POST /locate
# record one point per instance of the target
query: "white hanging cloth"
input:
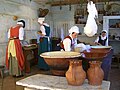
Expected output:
(90, 28)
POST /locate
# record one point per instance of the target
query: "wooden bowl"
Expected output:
(59, 61)
(97, 52)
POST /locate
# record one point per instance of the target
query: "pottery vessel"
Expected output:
(95, 73)
(97, 53)
(58, 66)
(95, 56)
(75, 74)
(58, 61)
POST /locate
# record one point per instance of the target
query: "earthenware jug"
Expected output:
(75, 74)
(95, 73)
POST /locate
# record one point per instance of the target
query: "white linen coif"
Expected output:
(40, 20)
(74, 29)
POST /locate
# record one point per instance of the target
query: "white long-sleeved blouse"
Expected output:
(21, 33)
(103, 38)
(67, 44)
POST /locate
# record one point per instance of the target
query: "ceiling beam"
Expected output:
(68, 2)
(65, 2)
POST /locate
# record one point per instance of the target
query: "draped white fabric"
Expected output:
(90, 28)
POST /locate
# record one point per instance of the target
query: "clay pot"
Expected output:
(58, 66)
(58, 61)
(95, 73)
(15, 18)
(75, 74)
(97, 52)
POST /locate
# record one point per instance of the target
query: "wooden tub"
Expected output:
(59, 60)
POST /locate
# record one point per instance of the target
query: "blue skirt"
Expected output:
(43, 46)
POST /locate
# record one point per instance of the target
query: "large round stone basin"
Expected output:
(58, 61)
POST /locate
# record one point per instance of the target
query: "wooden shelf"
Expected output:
(83, 35)
(110, 40)
(80, 24)
(114, 28)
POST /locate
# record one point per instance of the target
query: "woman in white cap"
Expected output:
(102, 39)
(14, 54)
(70, 41)
(44, 43)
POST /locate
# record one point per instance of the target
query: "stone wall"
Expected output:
(23, 9)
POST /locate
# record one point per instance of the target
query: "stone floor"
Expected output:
(114, 78)
(8, 83)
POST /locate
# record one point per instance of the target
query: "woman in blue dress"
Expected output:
(44, 44)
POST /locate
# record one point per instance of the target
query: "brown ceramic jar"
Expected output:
(95, 73)
(75, 74)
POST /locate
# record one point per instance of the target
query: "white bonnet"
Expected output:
(104, 31)
(20, 23)
(40, 20)
(74, 29)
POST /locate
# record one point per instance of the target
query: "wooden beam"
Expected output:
(65, 2)
(68, 2)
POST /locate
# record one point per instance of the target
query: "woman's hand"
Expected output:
(40, 33)
(96, 43)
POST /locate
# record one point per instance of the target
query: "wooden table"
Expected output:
(49, 82)
(28, 50)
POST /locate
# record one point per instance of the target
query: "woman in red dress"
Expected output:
(14, 54)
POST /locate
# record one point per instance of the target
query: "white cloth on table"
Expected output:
(83, 47)
(90, 28)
